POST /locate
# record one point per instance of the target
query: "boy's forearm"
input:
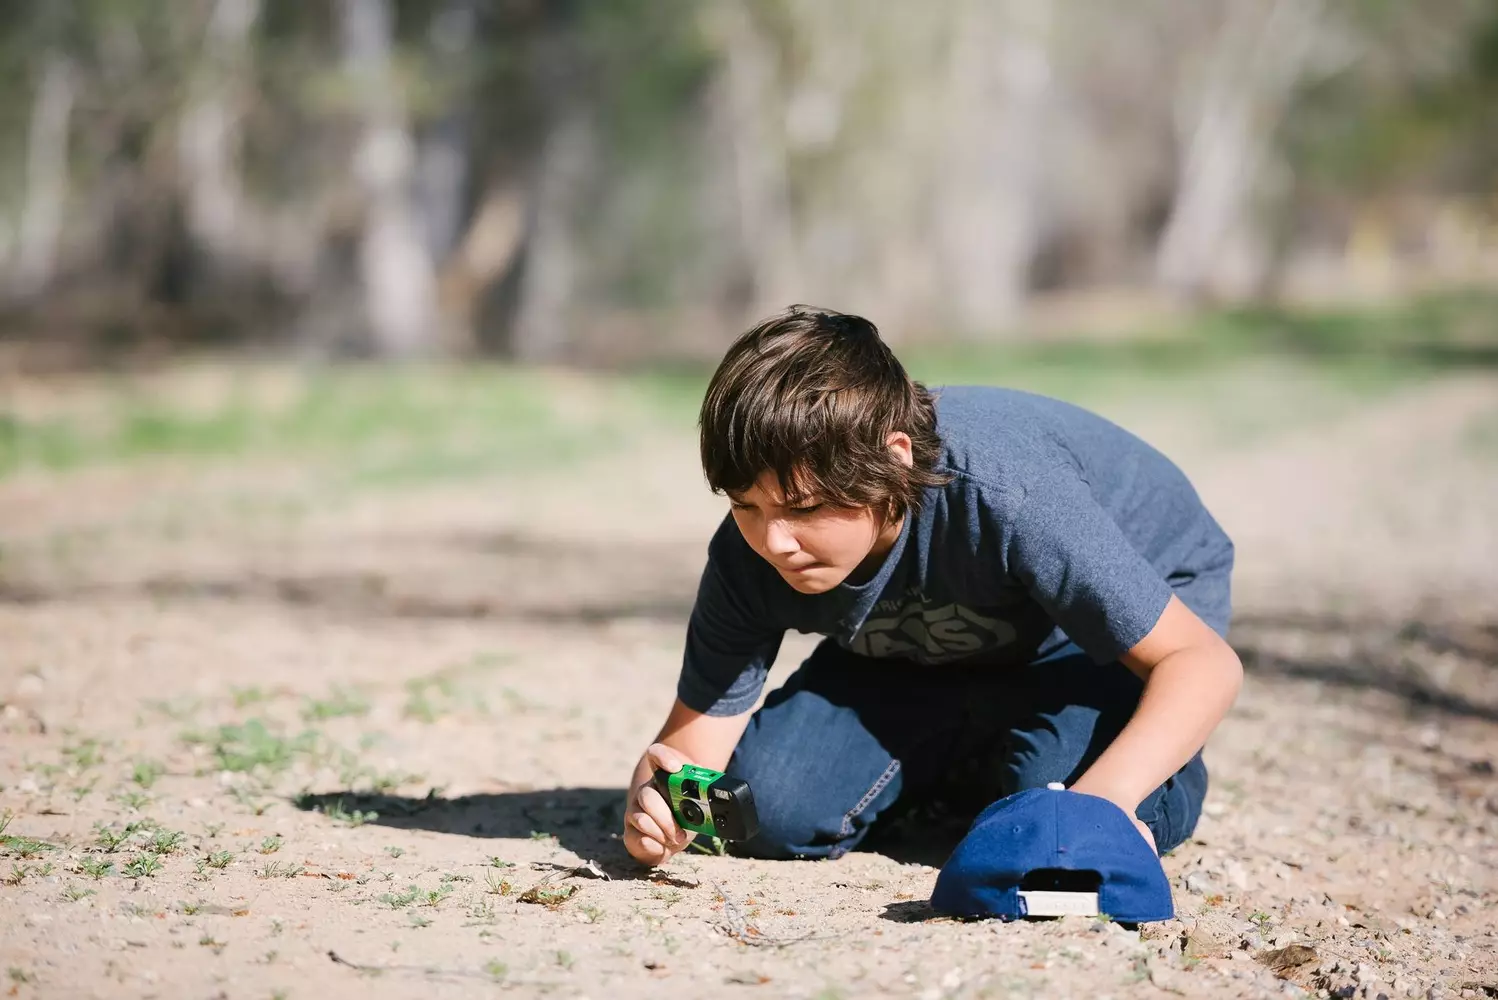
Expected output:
(705, 740)
(1185, 696)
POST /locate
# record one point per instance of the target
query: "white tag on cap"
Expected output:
(1056, 786)
(1050, 903)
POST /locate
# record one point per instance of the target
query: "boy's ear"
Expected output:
(899, 443)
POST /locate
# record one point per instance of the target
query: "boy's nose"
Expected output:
(779, 540)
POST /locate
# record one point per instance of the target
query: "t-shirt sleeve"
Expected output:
(730, 643)
(1081, 568)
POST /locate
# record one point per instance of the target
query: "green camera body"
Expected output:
(709, 802)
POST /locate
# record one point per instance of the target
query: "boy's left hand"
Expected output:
(1149, 838)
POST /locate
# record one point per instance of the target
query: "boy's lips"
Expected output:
(802, 568)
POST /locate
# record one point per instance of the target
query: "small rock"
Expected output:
(28, 786)
(930, 993)
(1436, 992)
(1430, 738)
(1365, 973)
(1198, 884)
(29, 688)
(1252, 941)
(951, 980)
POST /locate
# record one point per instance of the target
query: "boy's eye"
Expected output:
(807, 509)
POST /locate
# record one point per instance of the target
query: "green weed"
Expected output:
(143, 866)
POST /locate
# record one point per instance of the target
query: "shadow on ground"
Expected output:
(586, 821)
(1433, 666)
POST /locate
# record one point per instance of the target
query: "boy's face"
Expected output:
(812, 546)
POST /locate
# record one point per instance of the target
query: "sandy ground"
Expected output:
(255, 749)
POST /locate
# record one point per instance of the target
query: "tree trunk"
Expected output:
(1209, 245)
(208, 137)
(46, 178)
(400, 289)
(761, 174)
(1000, 85)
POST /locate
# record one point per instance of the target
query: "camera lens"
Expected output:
(691, 811)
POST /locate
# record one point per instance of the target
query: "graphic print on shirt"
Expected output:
(928, 632)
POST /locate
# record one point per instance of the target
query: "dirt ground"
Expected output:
(357, 745)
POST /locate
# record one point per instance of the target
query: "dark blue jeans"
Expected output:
(850, 737)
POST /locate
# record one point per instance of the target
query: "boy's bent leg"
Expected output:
(832, 749)
(1072, 710)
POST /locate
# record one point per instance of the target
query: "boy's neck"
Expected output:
(869, 567)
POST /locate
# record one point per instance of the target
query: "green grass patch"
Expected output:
(252, 745)
(373, 425)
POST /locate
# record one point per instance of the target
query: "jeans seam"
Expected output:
(869, 796)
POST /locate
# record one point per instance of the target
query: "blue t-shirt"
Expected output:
(1057, 526)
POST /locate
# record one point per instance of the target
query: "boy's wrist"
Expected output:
(1123, 797)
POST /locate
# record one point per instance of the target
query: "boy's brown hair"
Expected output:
(812, 396)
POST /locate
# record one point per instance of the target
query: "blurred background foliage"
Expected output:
(606, 183)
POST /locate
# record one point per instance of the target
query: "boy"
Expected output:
(1006, 582)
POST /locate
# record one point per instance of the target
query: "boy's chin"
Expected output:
(815, 581)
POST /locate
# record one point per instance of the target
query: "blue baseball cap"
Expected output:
(1050, 852)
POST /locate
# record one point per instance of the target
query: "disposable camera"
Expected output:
(709, 802)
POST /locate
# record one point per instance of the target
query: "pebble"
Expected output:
(1198, 884)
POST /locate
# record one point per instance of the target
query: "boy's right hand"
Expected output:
(651, 834)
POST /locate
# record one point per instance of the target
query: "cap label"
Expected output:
(1051, 903)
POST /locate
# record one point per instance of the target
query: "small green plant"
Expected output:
(219, 859)
(24, 847)
(143, 866)
(84, 755)
(80, 792)
(542, 835)
(432, 897)
(19, 976)
(496, 969)
(713, 845)
(19, 874)
(591, 912)
(208, 941)
(253, 745)
(397, 901)
(271, 844)
(338, 814)
(109, 839)
(417, 920)
(279, 869)
(668, 896)
(212, 830)
(132, 799)
(339, 703)
(165, 841)
(395, 852)
(498, 886)
(565, 959)
(498, 862)
(96, 868)
(191, 909)
(1260, 917)
(145, 772)
(247, 696)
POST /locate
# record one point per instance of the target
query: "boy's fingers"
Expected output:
(663, 755)
(647, 826)
(650, 800)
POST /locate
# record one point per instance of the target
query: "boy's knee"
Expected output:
(814, 794)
